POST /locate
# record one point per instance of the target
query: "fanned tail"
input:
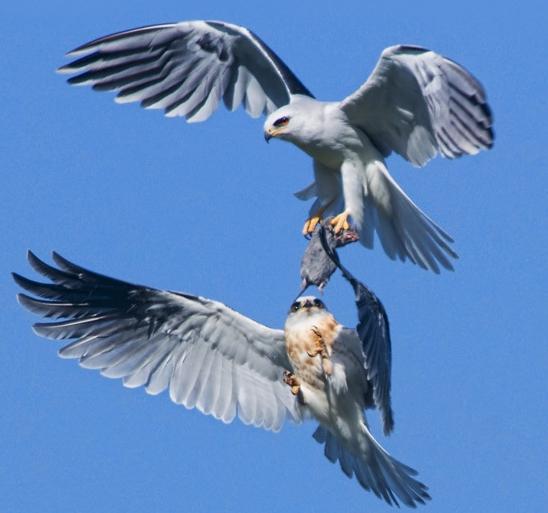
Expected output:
(404, 230)
(375, 470)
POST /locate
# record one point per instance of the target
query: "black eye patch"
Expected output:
(281, 122)
(319, 303)
(295, 306)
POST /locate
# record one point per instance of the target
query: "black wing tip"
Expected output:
(90, 45)
(487, 111)
(23, 299)
(30, 303)
(433, 268)
(76, 80)
(24, 282)
(490, 132)
(19, 279)
(421, 496)
(62, 70)
(39, 265)
(388, 421)
(36, 263)
(62, 262)
(59, 274)
(83, 48)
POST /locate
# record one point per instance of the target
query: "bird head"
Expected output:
(307, 305)
(297, 122)
(280, 123)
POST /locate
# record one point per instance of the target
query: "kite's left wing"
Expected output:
(419, 103)
(374, 332)
(207, 355)
(186, 68)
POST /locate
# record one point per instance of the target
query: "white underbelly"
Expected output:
(340, 414)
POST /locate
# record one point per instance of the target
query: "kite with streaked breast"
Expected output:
(214, 359)
(416, 103)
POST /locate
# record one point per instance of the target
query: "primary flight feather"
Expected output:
(416, 103)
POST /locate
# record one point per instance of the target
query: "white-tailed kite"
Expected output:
(224, 364)
(416, 103)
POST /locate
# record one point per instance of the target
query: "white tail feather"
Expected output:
(405, 232)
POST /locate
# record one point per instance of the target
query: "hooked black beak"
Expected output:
(308, 304)
(267, 137)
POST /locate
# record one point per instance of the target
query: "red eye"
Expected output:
(281, 122)
(319, 303)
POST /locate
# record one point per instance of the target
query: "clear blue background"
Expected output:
(208, 209)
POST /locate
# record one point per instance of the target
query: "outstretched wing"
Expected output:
(186, 68)
(209, 356)
(374, 332)
(419, 103)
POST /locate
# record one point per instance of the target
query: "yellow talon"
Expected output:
(340, 222)
(311, 224)
(291, 380)
(313, 220)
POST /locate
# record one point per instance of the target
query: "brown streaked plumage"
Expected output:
(308, 348)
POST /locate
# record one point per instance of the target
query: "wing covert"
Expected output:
(208, 356)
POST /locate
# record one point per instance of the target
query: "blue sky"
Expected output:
(208, 209)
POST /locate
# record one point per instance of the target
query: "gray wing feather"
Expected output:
(374, 333)
(419, 103)
(208, 356)
(186, 69)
